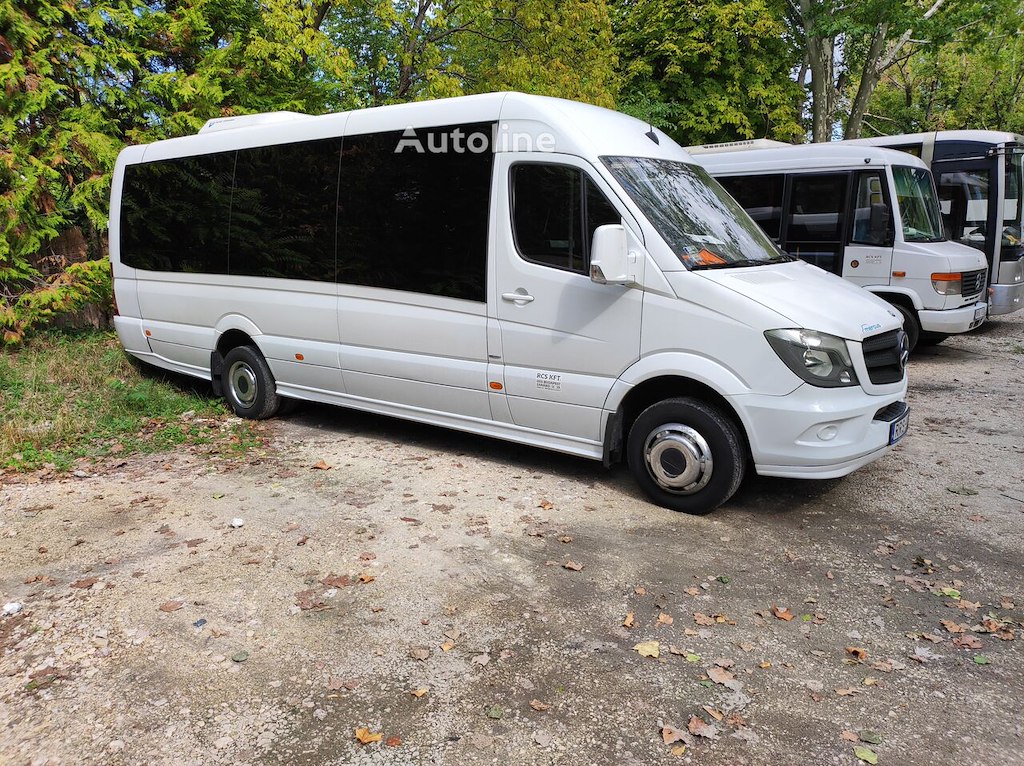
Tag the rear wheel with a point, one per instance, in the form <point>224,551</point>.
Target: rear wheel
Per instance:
<point>686,455</point>
<point>249,385</point>
<point>910,325</point>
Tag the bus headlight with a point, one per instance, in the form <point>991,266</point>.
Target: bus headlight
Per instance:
<point>815,357</point>
<point>948,284</point>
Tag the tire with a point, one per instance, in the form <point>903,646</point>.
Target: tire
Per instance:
<point>668,451</point>
<point>910,325</point>
<point>249,385</point>
<point>931,338</point>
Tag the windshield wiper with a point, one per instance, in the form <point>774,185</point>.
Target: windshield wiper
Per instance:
<point>740,263</point>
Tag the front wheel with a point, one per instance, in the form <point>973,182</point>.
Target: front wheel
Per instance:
<point>910,325</point>
<point>686,455</point>
<point>249,384</point>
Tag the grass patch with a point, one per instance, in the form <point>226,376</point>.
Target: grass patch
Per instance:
<point>65,397</point>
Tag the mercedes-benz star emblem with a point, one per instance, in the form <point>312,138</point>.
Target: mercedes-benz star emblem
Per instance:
<point>904,350</point>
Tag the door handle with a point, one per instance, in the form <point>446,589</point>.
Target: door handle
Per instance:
<point>519,296</point>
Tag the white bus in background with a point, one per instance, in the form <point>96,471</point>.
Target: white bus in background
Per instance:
<point>980,177</point>
<point>869,215</point>
<point>519,267</point>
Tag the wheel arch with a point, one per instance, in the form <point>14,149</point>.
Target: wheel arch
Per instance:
<point>655,389</point>
<point>232,331</point>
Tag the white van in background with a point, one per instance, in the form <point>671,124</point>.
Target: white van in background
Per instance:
<point>980,177</point>
<point>869,215</point>
<point>519,267</point>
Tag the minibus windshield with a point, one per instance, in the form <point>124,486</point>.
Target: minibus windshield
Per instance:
<point>919,207</point>
<point>704,226</point>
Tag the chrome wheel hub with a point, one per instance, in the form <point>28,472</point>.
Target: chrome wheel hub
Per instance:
<point>678,459</point>
<point>242,381</point>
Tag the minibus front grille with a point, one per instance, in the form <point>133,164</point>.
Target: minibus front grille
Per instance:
<point>883,358</point>
<point>973,283</point>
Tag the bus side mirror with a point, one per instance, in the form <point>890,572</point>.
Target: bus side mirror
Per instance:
<point>609,256</point>
<point>880,219</point>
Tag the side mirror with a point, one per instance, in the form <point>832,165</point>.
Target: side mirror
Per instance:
<point>609,256</point>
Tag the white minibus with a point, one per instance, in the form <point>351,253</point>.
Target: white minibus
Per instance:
<point>869,215</point>
<point>519,267</point>
<point>980,177</point>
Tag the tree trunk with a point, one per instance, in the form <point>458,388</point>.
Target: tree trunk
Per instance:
<point>869,77</point>
<point>821,60</point>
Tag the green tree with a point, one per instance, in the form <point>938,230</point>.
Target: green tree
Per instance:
<point>709,71</point>
<point>959,86</point>
<point>849,47</point>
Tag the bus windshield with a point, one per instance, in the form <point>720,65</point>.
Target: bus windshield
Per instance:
<point>1013,208</point>
<point>919,207</point>
<point>704,226</point>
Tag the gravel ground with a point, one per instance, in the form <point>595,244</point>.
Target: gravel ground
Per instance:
<point>474,602</point>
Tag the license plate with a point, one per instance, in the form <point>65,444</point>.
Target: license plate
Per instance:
<point>979,313</point>
<point>898,429</point>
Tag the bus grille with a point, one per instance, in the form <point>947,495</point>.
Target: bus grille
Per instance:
<point>883,356</point>
<point>973,284</point>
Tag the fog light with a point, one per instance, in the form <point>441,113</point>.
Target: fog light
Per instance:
<point>828,433</point>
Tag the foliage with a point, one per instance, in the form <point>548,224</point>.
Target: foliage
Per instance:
<point>709,71</point>
<point>66,398</point>
<point>959,86</point>
<point>848,47</point>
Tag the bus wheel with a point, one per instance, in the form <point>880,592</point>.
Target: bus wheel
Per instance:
<point>686,455</point>
<point>931,338</point>
<point>249,385</point>
<point>910,325</point>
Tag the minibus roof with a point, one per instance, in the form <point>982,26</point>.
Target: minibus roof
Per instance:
<point>978,136</point>
<point>568,127</point>
<point>803,157</point>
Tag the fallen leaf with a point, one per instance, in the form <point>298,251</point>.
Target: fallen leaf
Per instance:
<point>480,659</point>
<point>664,619</point>
<point>418,693</point>
<point>447,646</point>
<point>546,505</point>
<point>648,649</point>
<point>565,539</point>
<point>678,751</point>
<point>337,581</point>
<point>847,692</point>
<point>718,715</point>
<point>865,754</point>
<point>782,613</point>
<point>539,706</point>
<point>859,654</point>
<point>698,727</point>
<point>967,642</point>
<point>88,582</point>
<point>871,737</point>
<point>495,712</point>
<point>629,621</point>
<point>419,653</point>
<point>171,606</point>
<point>573,566</point>
<point>366,577</point>
<point>366,737</point>
<point>981,659</point>
<point>746,646</point>
<point>953,626</point>
<point>393,741</point>
<point>693,590</point>
<point>702,619</point>
<point>720,676</point>
<point>849,736</point>
<point>542,738</point>
<point>640,590</point>
<point>670,734</point>
<point>334,683</point>
<point>950,592</point>
<point>322,466</point>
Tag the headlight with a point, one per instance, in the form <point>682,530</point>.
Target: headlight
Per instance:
<point>947,284</point>
<point>816,357</point>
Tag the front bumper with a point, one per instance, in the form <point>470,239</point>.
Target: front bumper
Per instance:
<point>816,433</point>
<point>1005,299</point>
<point>952,321</point>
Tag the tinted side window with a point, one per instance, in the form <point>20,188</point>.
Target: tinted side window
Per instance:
<point>175,213</point>
<point>814,208</point>
<point>761,197</point>
<point>412,220</point>
<point>555,210</point>
<point>283,211</point>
